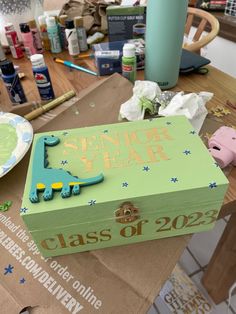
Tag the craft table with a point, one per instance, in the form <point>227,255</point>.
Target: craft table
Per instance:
<point>221,271</point>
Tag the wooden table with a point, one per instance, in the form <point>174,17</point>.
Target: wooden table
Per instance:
<point>221,271</point>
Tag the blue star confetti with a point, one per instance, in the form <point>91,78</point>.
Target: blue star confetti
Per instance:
<point>187,152</point>
<point>64,162</point>
<point>192,132</point>
<point>8,269</point>
<point>146,168</point>
<point>125,184</point>
<point>174,180</point>
<point>22,281</point>
<point>212,185</point>
<point>23,210</point>
<point>92,202</point>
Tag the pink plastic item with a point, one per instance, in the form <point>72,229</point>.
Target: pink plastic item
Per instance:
<point>222,146</point>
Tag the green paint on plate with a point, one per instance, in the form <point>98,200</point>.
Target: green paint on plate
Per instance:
<point>8,142</point>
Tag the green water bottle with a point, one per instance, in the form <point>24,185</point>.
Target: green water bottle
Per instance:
<point>129,62</point>
<point>164,38</point>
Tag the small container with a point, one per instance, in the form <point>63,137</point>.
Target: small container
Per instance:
<point>12,82</point>
<point>2,53</point>
<point>81,33</point>
<point>36,36</point>
<point>62,31</point>
<point>42,77</point>
<point>71,36</point>
<point>28,40</point>
<point>53,34</point>
<point>13,41</point>
<point>44,33</point>
<point>129,62</point>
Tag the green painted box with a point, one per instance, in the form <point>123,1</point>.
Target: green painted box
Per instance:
<point>159,181</point>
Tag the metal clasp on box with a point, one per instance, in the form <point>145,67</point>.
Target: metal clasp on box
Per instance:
<point>126,213</point>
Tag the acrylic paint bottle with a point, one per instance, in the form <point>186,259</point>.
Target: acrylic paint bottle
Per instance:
<point>163,40</point>
<point>12,82</point>
<point>53,34</point>
<point>13,41</point>
<point>42,77</point>
<point>36,36</point>
<point>71,36</point>
<point>2,53</point>
<point>62,31</point>
<point>44,33</point>
<point>129,62</point>
<point>81,33</point>
<point>27,39</point>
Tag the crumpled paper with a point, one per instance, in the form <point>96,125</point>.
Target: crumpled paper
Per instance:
<point>190,105</point>
<point>147,95</point>
<point>144,92</point>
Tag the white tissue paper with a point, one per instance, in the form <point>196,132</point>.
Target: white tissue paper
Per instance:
<point>131,110</point>
<point>191,105</point>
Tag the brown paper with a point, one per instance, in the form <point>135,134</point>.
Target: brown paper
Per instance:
<point>93,12</point>
<point>119,280</point>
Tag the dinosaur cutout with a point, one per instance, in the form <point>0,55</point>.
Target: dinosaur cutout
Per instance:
<point>49,180</point>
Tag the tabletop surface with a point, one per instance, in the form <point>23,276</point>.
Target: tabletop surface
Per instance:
<point>64,79</point>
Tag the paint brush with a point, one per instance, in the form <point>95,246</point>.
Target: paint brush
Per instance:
<point>74,66</point>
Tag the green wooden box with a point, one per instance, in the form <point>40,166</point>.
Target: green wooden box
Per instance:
<point>159,181</point>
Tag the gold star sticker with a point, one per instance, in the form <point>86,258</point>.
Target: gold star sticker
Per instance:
<point>225,111</point>
<point>218,114</point>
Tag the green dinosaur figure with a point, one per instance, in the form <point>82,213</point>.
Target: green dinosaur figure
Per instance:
<point>49,180</point>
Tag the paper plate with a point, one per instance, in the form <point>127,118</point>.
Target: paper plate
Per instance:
<point>16,135</point>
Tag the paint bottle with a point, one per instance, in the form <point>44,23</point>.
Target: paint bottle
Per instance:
<point>71,36</point>
<point>62,31</point>
<point>129,62</point>
<point>44,33</point>
<point>36,36</point>
<point>163,40</point>
<point>53,34</point>
<point>12,82</point>
<point>81,33</point>
<point>27,39</point>
<point>2,53</point>
<point>13,41</point>
<point>42,77</point>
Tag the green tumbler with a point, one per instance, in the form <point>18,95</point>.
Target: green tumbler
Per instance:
<point>164,38</point>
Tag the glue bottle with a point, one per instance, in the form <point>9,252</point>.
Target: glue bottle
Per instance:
<point>71,36</point>
<point>53,34</point>
<point>129,62</point>
<point>81,33</point>
<point>12,82</point>
<point>42,77</point>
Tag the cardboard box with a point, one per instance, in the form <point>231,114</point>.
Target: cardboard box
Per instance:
<point>118,276</point>
<point>111,59</point>
<point>159,181</point>
<point>126,22</point>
